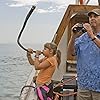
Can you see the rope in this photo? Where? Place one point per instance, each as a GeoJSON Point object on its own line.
{"type": "Point", "coordinates": [25, 87]}
{"type": "Point", "coordinates": [63, 83]}
{"type": "Point", "coordinates": [57, 95]}
{"type": "Point", "coordinates": [87, 2]}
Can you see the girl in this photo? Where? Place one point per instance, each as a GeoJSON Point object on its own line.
{"type": "Point", "coordinates": [47, 66]}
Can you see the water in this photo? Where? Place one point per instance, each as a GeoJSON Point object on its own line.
{"type": "Point", "coordinates": [14, 70]}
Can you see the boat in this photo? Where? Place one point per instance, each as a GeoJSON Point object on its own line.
{"type": "Point", "coordinates": [74, 14]}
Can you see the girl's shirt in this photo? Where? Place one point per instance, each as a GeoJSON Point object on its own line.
{"type": "Point", "coordinates": [45, 75]}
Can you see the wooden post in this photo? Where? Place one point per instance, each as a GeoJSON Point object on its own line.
{"type": "Point", "coordinates": [99, 2]}
{"type": "Point", "coordinates": [81, 2]}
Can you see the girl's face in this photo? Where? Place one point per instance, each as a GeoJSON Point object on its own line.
{"type": "Point", "coordinates": [46, 52]}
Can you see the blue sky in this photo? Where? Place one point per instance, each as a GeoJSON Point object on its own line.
{"type": "Point", "coordinates": [42, 24]}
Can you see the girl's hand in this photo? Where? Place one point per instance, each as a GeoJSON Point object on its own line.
{"type": "Point", "coordinates": [30, 51]}
{"type": "Point", "coordinates": [38, 52]}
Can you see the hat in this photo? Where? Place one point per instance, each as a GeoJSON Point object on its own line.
{"type": "Point", "coordinates": [94, 11]}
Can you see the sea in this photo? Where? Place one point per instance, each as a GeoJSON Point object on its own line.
{"type": "Point", "coordinates": [14, 69]}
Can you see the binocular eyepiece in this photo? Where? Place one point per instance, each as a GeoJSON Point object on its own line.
{"type": "Point", "coordinates": [79, 28]}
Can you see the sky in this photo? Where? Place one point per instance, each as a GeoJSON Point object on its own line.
{"type": "Point", "coordinates": [41, 26]}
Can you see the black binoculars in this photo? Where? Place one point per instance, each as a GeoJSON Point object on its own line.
{"type": "Point", "coordinates": [79, 28]}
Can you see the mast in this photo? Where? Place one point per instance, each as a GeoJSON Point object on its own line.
{"type": "Point", "coordinates": [99, 2]}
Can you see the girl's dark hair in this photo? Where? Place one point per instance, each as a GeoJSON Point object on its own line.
{"type": "Point", "coordinates": [56, 52]}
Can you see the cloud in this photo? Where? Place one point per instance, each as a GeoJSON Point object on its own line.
{"type": "Point", "coordinates": [54, 5]}
{"type": "Point", "coordinates": [30, 2]}
{"type": "Point", "coordinates": [19, 3]}
{"type": "Point", "coordinates": [45, 11]}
